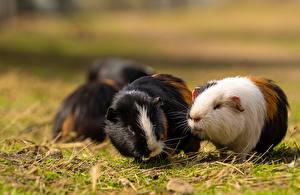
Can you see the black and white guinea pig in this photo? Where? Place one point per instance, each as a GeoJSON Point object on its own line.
{"type": "Point", "coordinates": [240, 113]}
{"type": "Point", "coordinates": [82, 113]}
{"type": "Point", "coordinates": [148, 118]}
{"type": "Point", "coordinates": [120, 70]}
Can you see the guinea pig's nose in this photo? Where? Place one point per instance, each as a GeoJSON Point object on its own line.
{"type": "Point", "coordinates": [195, 119]}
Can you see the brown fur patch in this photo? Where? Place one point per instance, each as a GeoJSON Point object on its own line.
{"type": "Point", "coordinates": [269, 93]}
{"type": "Point", "coordinates": [185, 92]}
{"type": "Point", "coordinates": [111, 83]}
{"type": "Point", "coordinates": [179, 85]}
{"type": "Point", "coordinates": [164, 134]}
{"type": "Point", "coordinates": [67, 126]}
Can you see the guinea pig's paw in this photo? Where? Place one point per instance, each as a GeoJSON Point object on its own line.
{"type": "Point", "coordinates": [240, 158]}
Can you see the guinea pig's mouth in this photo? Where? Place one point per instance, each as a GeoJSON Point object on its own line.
{"type": "Point", "coordinates": [198, 131]}
{"type": "Point", "coordinates": [156, 151]}
{"type": "Point", "coordinates": [194, 125]}
{"type": "Point", "coordinates": [200, 134]}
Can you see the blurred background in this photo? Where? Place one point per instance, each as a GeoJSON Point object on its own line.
{"type": "Point", "coordinates": [47, 45]}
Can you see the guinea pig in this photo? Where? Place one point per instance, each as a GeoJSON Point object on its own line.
{"type": "Point", "coordinates": [119, 70]}
{"type": "Point", "coordinates": [147, 118]}
{"type": "Point", "coordinates": [242, 114]}
{"type": "Point", "coordinates": [82, 113]}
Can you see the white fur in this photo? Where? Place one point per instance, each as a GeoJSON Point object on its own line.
{"type": "Point", "coordinates": [155, 146]}
{"type": "Point", "coordinates": [131, 92]}
{"type": "Point", "coordinates": [134, 92]}
{"type": "Point", "coordinates": [239, 131]}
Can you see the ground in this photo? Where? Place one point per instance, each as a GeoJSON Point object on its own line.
{"type": "Point", "coordinates": [31, 163]}
{"type": "Point", "coordinates": [40, 66]}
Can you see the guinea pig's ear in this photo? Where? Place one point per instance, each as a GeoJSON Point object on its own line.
{"type": "Point", "coordinates": [157, 101]}
{"type": "Point", "coordinates": [195, 93]}
{"type": "Point", "coordinates": [111, 114]}
{"type": "Point", "coordinates": [236, 103]}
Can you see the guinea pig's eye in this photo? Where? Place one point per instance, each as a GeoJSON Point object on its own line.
{"type": "Point", "coordinates": [217, 106]}
{"type": "Point", "coordinates": [131, 131]}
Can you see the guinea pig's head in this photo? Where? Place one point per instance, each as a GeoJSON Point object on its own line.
{"type": "Point", "coordinates": [216, 114]}
{"type": "Point", "coordinates": [136, 125]}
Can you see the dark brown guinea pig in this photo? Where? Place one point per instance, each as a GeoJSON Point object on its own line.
{"type": "Point", "coordinates": [119, 70]}
{"type": "Point", "coordinates": [82, 113]}
{"type": "Point", "coordinates": [148, 118]}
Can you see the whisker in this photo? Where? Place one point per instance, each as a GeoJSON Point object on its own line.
{"type": "Point", "coordinates": [178, 119]}
{"type": "Point", "coordinates": [168, 149]}
{"type": "Point", "coordinates": [178, 138]}
{"type": "Point", "coordinates": [182, 114]}
{"type": "Point", "coordinates": [187, 129]}
{"type": "Point", "coordinates": [167, 153]}
{"type": "Point", "coordinates": [182, 122]}
{"type": "Point", "coordinates": [178, 115]}
{"type": "Point", "coordinates": [182, 125]}
{"type": "Point", "coordinates": [178, 112]}
{"type": "Point", "coordinates": [179, 103]}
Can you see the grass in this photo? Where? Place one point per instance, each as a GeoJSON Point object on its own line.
{"type": "Point", "coordinates": [31, 164]}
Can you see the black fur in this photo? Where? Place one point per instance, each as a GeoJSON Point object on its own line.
{"type": "Point", "coordinates": [202, 88]}
{"type": "Point", "coordinates": [275, 130]}
{"type": "Point", "coordinates": [121, 71]}
{"type": "Point", "coordinates": [122, 125]}
{"type": "Point", "coordinates": [87, 105]}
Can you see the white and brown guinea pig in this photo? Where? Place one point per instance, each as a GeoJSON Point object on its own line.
{"type": "Point", "coordinates": [119, 70]}
{"type": "Point", "coordinates": [82, 113]}
{"type": "Point", "coordinates": [240, 113]}
{"type": "Point", "coordinates": [148, 118]}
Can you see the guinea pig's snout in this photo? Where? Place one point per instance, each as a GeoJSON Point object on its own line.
{"type": "Point", "coordinates": [195, 119]}
{"type": "Point", "coordinates": [143, 154]}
